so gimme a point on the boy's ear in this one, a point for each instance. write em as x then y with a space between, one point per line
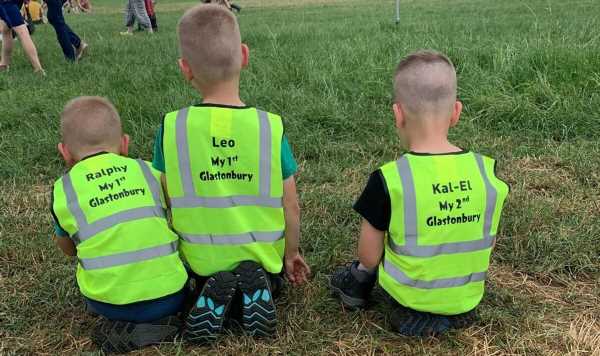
399 115
124 149
456 111
66 154
245 55
185 69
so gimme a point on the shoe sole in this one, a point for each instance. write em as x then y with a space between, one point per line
205 321
259 317
121 336
80 53
348 301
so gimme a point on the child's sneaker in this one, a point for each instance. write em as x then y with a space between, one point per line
352 286
258 311
205 321
121 336
410 322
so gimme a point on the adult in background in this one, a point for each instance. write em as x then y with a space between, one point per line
136 10
72 46
11 19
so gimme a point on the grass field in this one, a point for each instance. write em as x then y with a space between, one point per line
529 76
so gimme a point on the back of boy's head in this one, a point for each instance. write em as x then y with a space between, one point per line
210 42
90 123
425 85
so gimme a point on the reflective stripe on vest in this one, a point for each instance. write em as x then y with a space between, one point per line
237 239
402 278
128 257
191 200
411 247
87 230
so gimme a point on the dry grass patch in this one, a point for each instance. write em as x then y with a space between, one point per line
584 335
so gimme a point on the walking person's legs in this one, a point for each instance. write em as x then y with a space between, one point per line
70 43
139 9
129 18
10 17
7 46
28 46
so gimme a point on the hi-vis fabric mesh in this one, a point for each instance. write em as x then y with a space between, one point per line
223 171
113 209
445 215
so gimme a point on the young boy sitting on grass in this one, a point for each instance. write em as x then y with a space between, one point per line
430 218
109 211
230 179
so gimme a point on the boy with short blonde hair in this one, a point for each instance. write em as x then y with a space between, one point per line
230 177
429 219
109 211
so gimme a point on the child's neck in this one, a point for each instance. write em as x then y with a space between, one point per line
434 145
225 93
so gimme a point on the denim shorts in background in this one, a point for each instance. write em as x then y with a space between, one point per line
10 13
140 312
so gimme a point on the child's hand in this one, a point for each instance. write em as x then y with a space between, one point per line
296 270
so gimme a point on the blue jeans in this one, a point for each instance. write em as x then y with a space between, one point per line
67 39
140 312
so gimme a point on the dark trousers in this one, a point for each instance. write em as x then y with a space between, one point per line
67 39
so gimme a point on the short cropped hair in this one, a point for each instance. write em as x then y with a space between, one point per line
425 84
90 122
210 41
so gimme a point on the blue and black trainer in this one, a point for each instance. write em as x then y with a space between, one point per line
205 320
259 317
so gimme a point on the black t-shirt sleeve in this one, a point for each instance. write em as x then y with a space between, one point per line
374 203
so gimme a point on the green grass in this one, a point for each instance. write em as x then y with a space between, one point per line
529 76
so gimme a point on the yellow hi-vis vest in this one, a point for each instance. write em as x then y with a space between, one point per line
444 218
223 171
113 209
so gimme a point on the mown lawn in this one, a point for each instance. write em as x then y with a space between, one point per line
529 76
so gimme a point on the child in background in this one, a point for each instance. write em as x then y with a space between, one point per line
230 179
136 10
109 211
429 219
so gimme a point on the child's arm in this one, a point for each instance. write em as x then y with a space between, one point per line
296 269
370 245
65 244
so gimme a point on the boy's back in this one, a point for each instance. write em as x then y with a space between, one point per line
445 210
430 218
223 172
233 198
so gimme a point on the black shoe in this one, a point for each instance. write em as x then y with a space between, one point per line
205 320
410 322
258 312
464 320
277 284
121 336
352 286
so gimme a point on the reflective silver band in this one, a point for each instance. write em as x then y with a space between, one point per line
442 249
411 248
402 278
190 198
183 153
153 183
86 230
226 202
128 257
265 154
238 239
73 205
410 202
491 196
89 230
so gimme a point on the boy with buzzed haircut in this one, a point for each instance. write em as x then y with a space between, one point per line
230 177
109 211
430 218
